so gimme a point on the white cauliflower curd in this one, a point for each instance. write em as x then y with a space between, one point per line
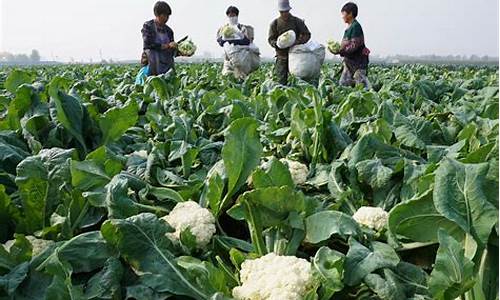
200 221
274 277
298 171
372 217
38 245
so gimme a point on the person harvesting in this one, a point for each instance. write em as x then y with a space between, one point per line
233 33
283 29
353 49
158 40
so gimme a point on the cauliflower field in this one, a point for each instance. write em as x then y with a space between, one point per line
199 186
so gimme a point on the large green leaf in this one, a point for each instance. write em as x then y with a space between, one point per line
12 151
10 281
87 175
276 174
322 225
16 78
460 195
328 265
361 261
374 173
419 221
241 152
453 273
32 180
70 112
106 283
143 243
117 120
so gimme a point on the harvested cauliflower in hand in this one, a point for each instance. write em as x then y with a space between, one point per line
274 277
298 171
334 47
190 215
187 48
286 40
371 217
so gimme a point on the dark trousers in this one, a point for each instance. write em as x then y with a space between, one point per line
281 69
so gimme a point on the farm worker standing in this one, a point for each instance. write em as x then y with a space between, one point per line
353 50
286 22
158 40
233 33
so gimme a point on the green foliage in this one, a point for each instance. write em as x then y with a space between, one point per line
91 162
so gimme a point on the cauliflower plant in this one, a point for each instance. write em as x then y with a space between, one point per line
298 171
274 277
38 245
200 221
372 217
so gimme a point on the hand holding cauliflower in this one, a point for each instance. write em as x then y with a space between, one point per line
334 47
187 48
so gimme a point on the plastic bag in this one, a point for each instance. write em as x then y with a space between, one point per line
142 75
241 60
305 60
286 40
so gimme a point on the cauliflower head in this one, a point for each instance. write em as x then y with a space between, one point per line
286 40
38 245
333 46
228 31
200 221
187 48
372 217
274 277
298 171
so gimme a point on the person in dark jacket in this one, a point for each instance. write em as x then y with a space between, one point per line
284 23
353 50
158 40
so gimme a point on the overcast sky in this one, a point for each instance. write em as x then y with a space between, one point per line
65 29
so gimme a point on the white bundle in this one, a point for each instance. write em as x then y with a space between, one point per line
286 40
242 60
305 60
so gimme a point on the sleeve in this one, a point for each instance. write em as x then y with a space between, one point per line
273 34
354 44
304 34
149 38
249 32
220 40
243 42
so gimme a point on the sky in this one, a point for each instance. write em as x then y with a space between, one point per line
95 29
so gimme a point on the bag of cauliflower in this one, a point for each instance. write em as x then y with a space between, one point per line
305 60
286 40
241 60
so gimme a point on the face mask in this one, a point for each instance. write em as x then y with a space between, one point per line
233 21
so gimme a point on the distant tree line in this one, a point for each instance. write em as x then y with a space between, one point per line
7 57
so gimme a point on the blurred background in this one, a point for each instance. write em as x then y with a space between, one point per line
95 30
